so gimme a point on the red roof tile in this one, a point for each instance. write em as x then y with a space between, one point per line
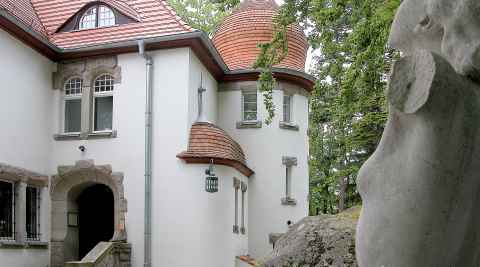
250 24
24 11
155 18
209 142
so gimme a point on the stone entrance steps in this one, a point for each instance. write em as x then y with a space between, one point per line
106 254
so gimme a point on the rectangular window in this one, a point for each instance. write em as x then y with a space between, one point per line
33 213
7 222
73 115
236 186
249 105
287 108
103 113
244 190
103 103
288 182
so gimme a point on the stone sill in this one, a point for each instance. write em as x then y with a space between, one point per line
249 124
81 136
22 245
289 126
288 201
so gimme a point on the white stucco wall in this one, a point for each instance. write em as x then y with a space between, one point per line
25 123
264 149
190 226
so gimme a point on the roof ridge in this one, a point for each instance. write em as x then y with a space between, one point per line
39 20
26 14
172 11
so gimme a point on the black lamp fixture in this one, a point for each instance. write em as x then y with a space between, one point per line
211 181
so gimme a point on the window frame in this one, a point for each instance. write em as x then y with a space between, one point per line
103 94
252 92
13 214
76 96
96 7
287 107
38 197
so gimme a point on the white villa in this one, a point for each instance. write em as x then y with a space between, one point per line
128 138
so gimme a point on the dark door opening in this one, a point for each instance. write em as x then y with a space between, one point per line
95 217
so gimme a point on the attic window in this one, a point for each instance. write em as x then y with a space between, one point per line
97 16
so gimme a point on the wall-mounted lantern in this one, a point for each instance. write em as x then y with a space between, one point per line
211 181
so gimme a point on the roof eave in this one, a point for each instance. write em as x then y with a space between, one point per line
300 78
239 166
197 40
25 34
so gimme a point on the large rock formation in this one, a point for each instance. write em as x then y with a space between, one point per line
320 241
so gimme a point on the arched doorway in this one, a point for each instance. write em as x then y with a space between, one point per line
95 217
74 188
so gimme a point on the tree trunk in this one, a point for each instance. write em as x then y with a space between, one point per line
342 194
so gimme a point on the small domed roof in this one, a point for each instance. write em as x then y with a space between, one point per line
209 143
237 37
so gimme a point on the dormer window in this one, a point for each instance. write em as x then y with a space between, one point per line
97 16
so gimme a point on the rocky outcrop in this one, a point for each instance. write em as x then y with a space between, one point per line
320 241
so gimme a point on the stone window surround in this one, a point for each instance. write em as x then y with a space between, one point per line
289 162
70 182
88 70
21 178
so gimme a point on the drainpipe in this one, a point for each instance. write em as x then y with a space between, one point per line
148 156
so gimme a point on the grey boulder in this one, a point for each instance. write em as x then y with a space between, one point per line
317 241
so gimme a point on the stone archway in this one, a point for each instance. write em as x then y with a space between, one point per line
71 180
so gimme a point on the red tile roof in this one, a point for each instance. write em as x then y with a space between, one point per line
247 259
250 24
208 142
37 24
155 18
24 11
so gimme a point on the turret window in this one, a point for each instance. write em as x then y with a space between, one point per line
287 108
97 16
249 105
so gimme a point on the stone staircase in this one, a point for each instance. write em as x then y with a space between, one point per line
105 254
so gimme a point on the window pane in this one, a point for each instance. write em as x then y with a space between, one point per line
250 116
105 17
88 19
250 107
250 97
73 87
73 111
6 210
104 83
32 213
103 113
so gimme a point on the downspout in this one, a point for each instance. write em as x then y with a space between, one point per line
148 156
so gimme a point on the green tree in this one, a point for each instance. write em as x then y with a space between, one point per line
348 107
203 15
